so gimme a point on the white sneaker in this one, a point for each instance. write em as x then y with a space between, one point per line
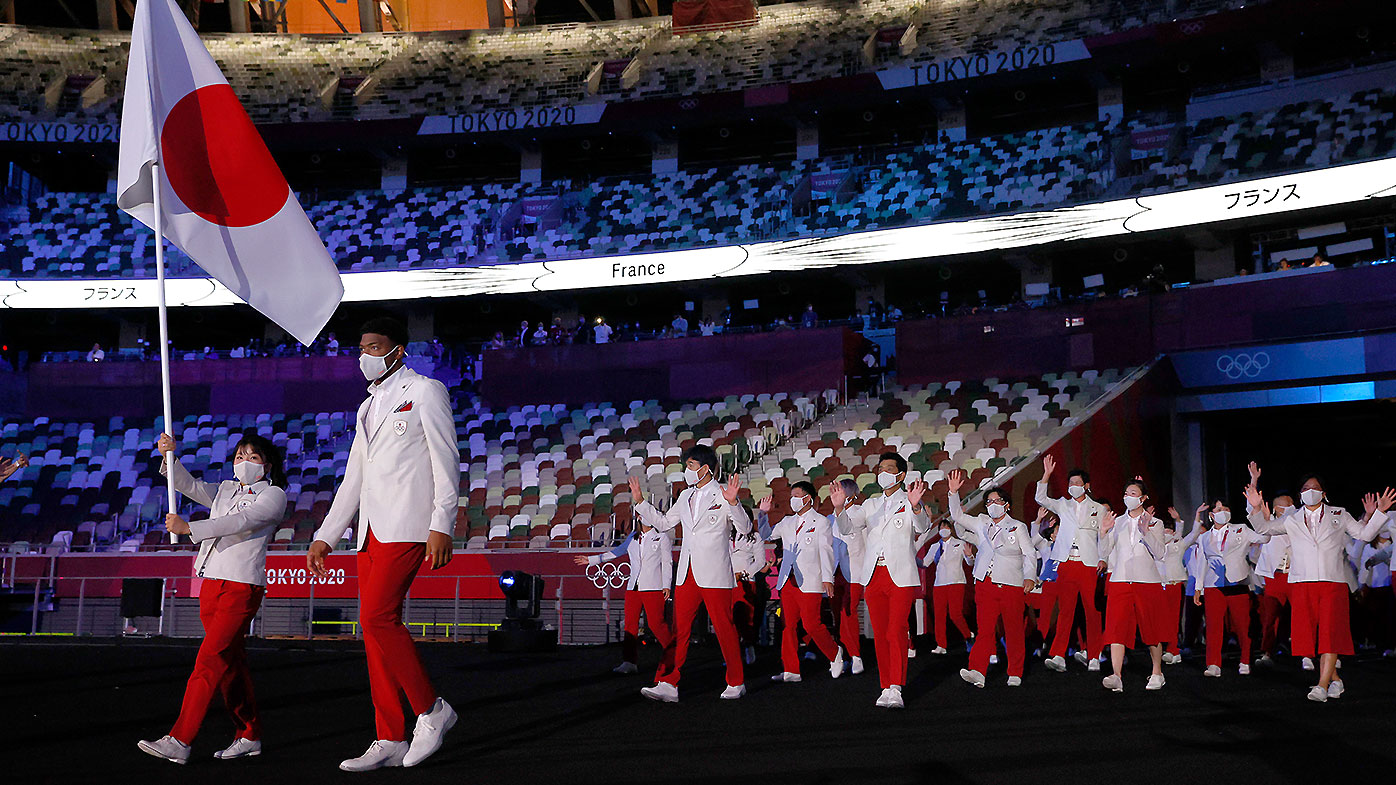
1318 694
1243 669
1093 665
240 748
1213 670
1080 656
1336 689
882 699
663 691
972 677
1170 658
1057 664
429 732
749 655
1264 659
380 755
939 650
167 747
1015 681
1307 664
789 677
626 668
911 654
1155 682
733 693
894 698
857 666
836 666
1113 683
993 659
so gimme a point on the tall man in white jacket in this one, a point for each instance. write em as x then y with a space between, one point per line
891 522
1076 561
806 575
708 513
403 480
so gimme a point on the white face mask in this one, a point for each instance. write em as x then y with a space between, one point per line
946 534
691 477
798 503
1221 518
248 472
996 510
886 480
1132 502
374 367
1311 497
1280 511
1076 491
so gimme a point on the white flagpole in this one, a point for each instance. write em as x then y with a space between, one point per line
164 336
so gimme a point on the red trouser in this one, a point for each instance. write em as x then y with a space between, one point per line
799 607
744 602
718 602
846 598
1171 615
948 601
1043 602
889 609
652 603
386 570
994 602
1220 609
1076 581
225 608
1274 598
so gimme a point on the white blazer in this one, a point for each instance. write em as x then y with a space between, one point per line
848 549
1318 553
748 555
651 560
708 521
1134 554
1170 564
403 476
807 549
1079 532
1274 556
1006 555
242 519
890 527
1224 549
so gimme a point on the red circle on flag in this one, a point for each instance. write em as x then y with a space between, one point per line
216 161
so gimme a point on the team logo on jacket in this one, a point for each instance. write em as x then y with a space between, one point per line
399 427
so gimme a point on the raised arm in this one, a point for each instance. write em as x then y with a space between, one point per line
1259 516
649 514
1376 519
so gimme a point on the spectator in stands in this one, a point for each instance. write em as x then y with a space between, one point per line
707 327
679 326
557 334
232 560
809 318
523 337
95 354
438 350
540 336
332 346
582 332
602 331
1319 261
403 481
497 342
1285 265
8 466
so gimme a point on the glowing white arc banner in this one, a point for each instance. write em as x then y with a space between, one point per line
1248 199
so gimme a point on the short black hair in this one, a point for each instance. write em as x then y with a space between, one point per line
703 454
1143 489
895 458
999 491
271 457
807 487
1079 472
1311 476
387 326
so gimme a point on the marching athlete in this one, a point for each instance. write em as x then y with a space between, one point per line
806 577
709 513
1075 561
232 560
949 554
891 522
1225 586
1134 597
403 480
651 556
848 592
1005 570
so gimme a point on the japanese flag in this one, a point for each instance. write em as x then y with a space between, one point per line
223 200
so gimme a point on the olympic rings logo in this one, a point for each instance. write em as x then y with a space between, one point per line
609 574
1192 28
1236 366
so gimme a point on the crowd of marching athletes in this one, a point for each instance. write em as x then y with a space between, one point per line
1307 559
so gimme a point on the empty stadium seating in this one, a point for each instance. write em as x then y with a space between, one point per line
543 476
